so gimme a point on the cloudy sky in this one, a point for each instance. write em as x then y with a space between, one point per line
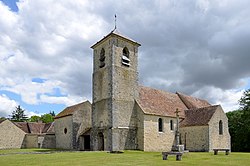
197 47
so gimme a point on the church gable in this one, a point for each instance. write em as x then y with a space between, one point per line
70 110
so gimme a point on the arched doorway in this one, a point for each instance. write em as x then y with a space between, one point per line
100 141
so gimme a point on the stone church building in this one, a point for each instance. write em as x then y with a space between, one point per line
124 115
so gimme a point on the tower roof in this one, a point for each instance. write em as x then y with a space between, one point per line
116 33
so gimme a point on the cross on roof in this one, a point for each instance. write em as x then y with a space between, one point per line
177 112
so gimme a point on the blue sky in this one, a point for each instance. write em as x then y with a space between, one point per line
198 47
11 4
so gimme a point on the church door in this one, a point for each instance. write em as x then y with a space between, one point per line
100 142
86 142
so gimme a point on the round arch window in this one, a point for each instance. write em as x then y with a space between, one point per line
65 130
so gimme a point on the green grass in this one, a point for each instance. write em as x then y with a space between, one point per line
26 157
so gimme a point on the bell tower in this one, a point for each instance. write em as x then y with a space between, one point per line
115 89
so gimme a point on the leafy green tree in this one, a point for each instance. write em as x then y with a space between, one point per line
47 118
239 124
2 119
245 107
235 125
18 115
34 118
52 113
245 101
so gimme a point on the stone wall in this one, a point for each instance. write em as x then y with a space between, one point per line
217 140
195 138
81 122
155 140
140 128
64 132
47 141
30 141
10 135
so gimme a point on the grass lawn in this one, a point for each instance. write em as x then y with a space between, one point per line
33 157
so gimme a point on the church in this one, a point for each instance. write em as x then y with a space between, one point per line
124 115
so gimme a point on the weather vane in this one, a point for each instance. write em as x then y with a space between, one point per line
115 21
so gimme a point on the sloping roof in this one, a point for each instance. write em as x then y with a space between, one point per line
70 110
198 116
115 32
49 128
192 102
35 127
23 126
157 102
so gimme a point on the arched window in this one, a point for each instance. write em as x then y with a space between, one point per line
171 125
125 57
102 58
160 125
220 127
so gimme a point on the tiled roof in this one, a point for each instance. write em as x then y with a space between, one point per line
192 102
198 116
70 110
49 128
35 127
159 102
23 126
116 33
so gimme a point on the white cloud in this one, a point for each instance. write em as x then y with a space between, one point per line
187 46
7 106
67 100
228 99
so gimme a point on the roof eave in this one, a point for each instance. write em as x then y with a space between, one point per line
58 117
114 34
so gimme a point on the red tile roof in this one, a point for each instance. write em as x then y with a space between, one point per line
192 102
198 116
70 110
159 102
35 127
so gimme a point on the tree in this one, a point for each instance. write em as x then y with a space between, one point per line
47 118
2 119
245 101
34 118
239 124
18 115
52 113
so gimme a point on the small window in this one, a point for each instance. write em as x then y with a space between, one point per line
160 125
125 57
171 125
102 58
220 127
65 130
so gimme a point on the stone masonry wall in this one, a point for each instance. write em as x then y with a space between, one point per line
30 141
81 122
10 135
140 128
64 140
47 141
217 140
195 138
155 140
